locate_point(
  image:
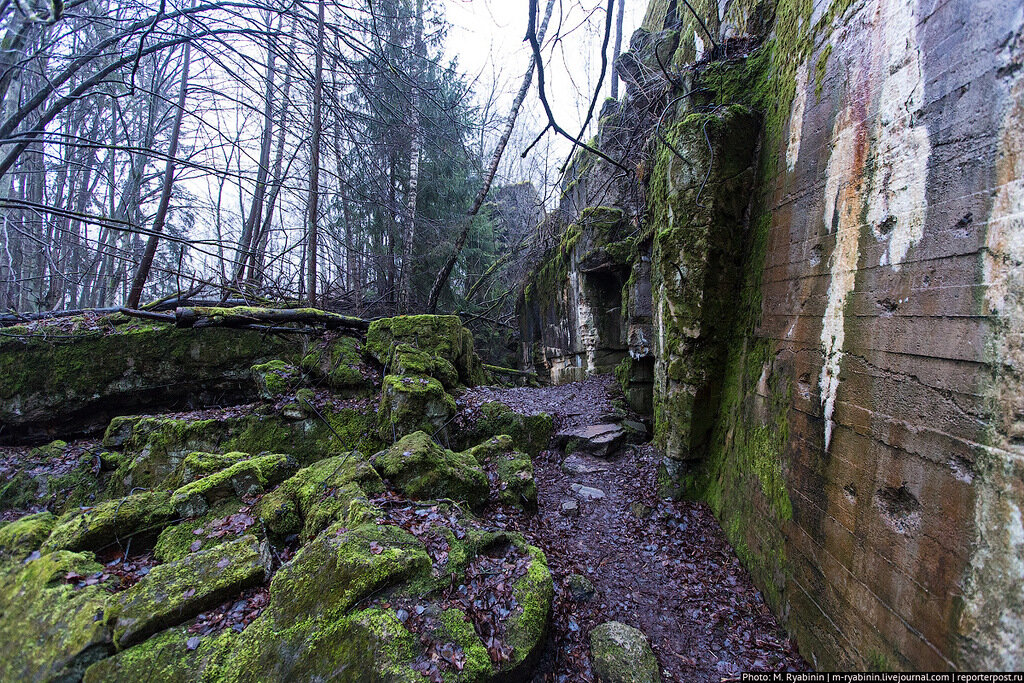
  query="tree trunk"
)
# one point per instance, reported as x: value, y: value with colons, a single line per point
x: 415, y: 148
x: 618, y: 48
x: 460, y: 242
x: 142, y: 273
x: 314, y: 163
x: 245, y: 243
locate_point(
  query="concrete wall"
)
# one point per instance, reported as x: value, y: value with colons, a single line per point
x: 865, y: 451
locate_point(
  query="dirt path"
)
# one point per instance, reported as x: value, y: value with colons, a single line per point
x: 659, y: 565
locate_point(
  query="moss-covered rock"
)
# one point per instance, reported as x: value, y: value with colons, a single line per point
x: 621, y: 654
x: 421, y: 469
x: 52, y: 450
x: 139, y: 517
x: 198, y: 465
x: 52, y: 630
x: 526, y: 630
x: 200, y: 533
x: 530, y: 433
x: 368, y: 645
x: 166, y: 657
x: 339, y: 363
x: 75, y: 384
x: 331, y: 490
x: 22, y: 536
x: 437, y: 335
x: 18, y: 492
x: 411, y: 403
x: 409, y: 360
x: 510, y: 472
x: 156, y: 448
x: 243, y: 479
x: 173, y: 593
x: 275, y: 379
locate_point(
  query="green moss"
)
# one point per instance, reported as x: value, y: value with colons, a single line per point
x: 173, y: 593
x: 53, y: 630
x: 456, y: 628
x: 513, y: 471
x: 408, y: 360
x: 820, y: 69
x: 175, y: 542
x: 198, y: 465
x: 275, y: 378
x: 166, y: 657
x: 621, y: 654
x: 22, y: 536
x: 437, y: 335
x: 331, y: 490
x: 136, y: 517
x: 421, y: 469
x: 340, y: 567
x: 412, y: 403
x: 54, y: 449
x: 243, y: 479
x: 338, y: 361
x: 530, y: 433
x: 96, y: 371
x: 525, y: 630
x: 18, y: 492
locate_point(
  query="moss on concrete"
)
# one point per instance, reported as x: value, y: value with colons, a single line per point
x: 244, y: 479
x: 530, y: 434
x: 166, y: 657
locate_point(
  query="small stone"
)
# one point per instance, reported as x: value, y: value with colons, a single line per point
x: 578, y: 463
x: 580, y: 588
x: 587, y: 493
x: 570, y: 508
x: 621, y: 654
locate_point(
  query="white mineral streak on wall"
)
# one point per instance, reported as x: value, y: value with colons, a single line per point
x: 842, y: 209
x: 796, y: 118
x: 895, y: 189
x: 896, y: 203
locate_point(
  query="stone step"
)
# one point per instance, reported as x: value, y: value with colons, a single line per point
x: 602, y: 440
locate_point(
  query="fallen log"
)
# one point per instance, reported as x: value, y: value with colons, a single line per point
x: 244, y: 316
x: 508, y: 371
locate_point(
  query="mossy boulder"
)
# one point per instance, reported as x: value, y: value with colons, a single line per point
x: 509, y: 471
x: 338, y: 363
x: 19, y: 492
x: 198, y: 465
x: 421, y: 469
x: 244, y: 479
x: 331, y: 490
x: 411, y: 403
x: 139, y: 517
x: 52, y: 630
x: 409, y: 360
x: 155, y: 448
x: 367, y: 645
x: 436, y: 335
x: 167, y: 657
x: 275, y: 379
x: 74, y: 382
x: 22, y: 536
x: 530, y: 433
x: 173, y: 593
x: 621, y: 654
x: 526, y: 630
x: 228, y: 521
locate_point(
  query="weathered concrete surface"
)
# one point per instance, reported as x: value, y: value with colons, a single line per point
x: 865, y: 453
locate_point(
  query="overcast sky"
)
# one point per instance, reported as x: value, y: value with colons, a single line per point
x: 487, y: 38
